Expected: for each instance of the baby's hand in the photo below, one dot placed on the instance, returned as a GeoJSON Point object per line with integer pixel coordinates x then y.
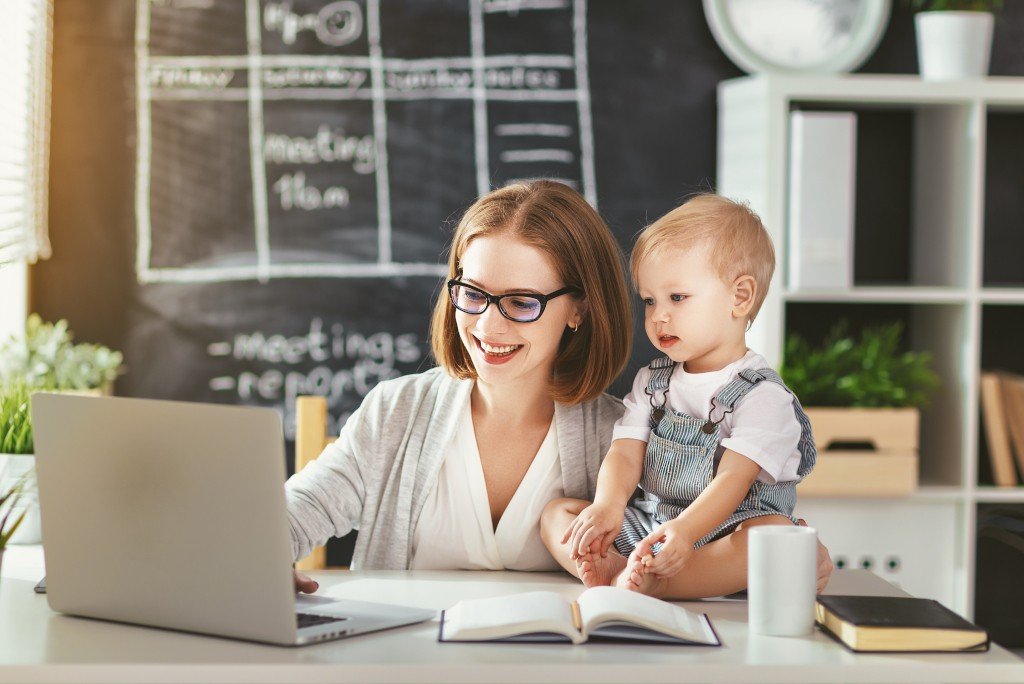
{"type": "Point", "coordinates": [676, 549]}
{"type": "Point", "coordinates": [599, 522]}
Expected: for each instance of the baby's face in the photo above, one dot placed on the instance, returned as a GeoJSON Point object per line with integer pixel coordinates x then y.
{"type": "Point", "coordinates": [688, 310]}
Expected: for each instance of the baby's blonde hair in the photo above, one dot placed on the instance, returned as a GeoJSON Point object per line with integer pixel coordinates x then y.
{"type": "Point", "coordinates": [737, 242]}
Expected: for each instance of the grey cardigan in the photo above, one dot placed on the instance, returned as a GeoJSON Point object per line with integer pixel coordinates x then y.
{"type": "Point", "coordinates": [377, 475]}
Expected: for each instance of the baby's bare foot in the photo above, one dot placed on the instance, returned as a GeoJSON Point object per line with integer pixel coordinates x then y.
{"type": "Point", "coordinates": [632, 575]}
{"type": "Point", "coordinates": [596, 571]}
{"type": "Point", "coordinates": [636, 577]}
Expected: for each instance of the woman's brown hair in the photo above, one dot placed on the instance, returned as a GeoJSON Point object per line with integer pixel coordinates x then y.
{"type": "Point", "coordinates": [555, 219]}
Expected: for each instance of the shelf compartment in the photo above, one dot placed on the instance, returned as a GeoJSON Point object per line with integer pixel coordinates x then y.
{"type": "Point", "coordinates": [1003, 244]}
{"type": "Point", "coordinates": [885, 536]}
{"type": "Point", "coordinates": [1002, 330]}
{"type": "Point", "coordinates": [913, 217]}
{"type": "Point", "coordinates": [936, 328]}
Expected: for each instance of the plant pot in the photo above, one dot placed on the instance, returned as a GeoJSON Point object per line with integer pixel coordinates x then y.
{"type": "Point", "coordinates": [953, 45]}
{"type": "Point", "coordinates": [12, 468]}
{"type": "Point", "coordinates": [863, 452]}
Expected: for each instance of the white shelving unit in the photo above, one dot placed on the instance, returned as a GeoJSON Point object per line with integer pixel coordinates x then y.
{"type": "Point", "coordinates": [929, 536]}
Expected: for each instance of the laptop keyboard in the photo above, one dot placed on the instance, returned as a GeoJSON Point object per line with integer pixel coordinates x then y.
{"type": "Point", "coordinates": [310, 620]}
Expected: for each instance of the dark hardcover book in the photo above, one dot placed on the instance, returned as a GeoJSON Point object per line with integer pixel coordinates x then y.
{"type": "Point", "coordinates": [896, 623]}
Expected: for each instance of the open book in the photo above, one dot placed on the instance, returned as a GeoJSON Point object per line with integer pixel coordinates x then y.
{"type": "Point", "coordinates": [600, 613]}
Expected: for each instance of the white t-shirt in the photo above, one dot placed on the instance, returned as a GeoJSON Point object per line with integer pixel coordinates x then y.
{"type": "Point", "coordinates": [454, 530]}
{"type": "Point", "coordinates": [763, 428]}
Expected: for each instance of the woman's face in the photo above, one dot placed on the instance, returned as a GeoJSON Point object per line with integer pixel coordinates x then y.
{"type": "Point", "coordinates": [505, 352]}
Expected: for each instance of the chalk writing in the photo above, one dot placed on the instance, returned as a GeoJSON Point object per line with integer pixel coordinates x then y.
{"type": "Point", "coordinates": [325, 146]}
{"type": "Point", "coordinates": [295, 194]}
{"type": "Point", "coordinates": [338, 23]}
{"type": "Point", "coordinates": [374, 112]}
{"type": "Point", "coordinates": [331, 361]}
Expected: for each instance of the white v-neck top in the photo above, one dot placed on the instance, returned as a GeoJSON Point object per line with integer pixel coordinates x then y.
{"type": "Point", "coordinates": [454, 530]}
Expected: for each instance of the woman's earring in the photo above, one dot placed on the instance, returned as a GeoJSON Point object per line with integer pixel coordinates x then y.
{"type": "Point", "coordinates": [574, 328]}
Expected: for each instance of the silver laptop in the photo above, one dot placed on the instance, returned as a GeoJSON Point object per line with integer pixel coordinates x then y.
{"type": "Point", "coordinates": [172, 514]}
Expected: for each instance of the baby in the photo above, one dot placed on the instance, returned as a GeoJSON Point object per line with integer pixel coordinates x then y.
{"type": "Point", "coordinates": [711, 435]}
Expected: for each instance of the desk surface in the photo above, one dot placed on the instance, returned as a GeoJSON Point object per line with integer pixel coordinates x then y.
{"type": "Point", "coordinates": [39, 645]}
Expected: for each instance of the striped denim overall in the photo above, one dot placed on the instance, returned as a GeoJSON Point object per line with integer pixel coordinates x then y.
{"type": "Point", "coordinates": [680, 460]}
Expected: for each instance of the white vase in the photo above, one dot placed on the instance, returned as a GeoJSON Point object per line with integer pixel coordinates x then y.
{"type": "Point", "coordinates": [952, 46]}
{"type": "Point", "coordinates": [12, 468]}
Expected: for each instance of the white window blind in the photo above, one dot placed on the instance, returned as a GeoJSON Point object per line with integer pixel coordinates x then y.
{"type": "Point", "coordinates": [26, 28]}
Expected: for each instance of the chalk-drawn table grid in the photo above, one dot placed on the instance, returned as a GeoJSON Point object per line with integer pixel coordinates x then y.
{"type": "Point", "coordinates": [257, 78]}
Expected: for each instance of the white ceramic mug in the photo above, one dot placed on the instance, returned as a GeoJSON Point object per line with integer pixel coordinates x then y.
{"type": "Point", "coordinates": [782, 572]}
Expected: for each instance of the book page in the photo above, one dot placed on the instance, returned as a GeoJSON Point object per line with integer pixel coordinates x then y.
{"type": "Point", "coordinates": [604, 605]}
{"type": "Point", "coordinates": [504, 616]}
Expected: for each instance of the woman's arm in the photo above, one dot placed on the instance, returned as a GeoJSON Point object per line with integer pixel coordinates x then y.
{"type": "Point", "coordinates": [325, 499]}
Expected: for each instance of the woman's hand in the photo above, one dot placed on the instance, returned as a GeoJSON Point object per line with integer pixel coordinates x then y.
{"type": "Point", "coordinates": [825, 565]}
{"type": "Point", "coordinates": [304, 583]}
{"type": "Point", "coordinates": [599, 522]}
{"type": "Point", "coordinates": [676, 549]}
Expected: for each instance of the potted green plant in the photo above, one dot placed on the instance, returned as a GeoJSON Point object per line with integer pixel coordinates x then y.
{"type": "Point", "coordinates": [863, 397]}
{"type": "Point", "coordinates": [17, 465]}
{"type": "Point", "coordinates": [46, 359]}
{"type": "Point", "coordinates": [954, 37]}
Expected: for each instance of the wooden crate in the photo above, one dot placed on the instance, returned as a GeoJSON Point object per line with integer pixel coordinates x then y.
{"type": "Point", "coordinates": [888, 468]}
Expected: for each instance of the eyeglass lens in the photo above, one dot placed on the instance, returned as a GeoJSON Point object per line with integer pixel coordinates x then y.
{"type": "Point", "coordinates": [522, 308]}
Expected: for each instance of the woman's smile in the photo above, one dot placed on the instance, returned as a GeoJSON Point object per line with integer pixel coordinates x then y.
{"type": "Point", "coordinates": [496, 354]}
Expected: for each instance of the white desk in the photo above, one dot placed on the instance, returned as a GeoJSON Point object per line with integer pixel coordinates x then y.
{"type": "Point", "coordinates": [41, 646]}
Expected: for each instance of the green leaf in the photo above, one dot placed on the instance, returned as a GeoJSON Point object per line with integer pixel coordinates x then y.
{"type": "Point", "coordinates": [870, 371]}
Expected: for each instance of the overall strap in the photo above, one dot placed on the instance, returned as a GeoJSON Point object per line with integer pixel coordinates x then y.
{"type": "Point", "coordinates": [746, 380]}
{"type": "Point", "coordinates": [657, 386]}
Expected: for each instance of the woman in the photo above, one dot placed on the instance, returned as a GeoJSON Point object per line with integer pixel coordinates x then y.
{"type": "Point", "coordinates": [451, 468]}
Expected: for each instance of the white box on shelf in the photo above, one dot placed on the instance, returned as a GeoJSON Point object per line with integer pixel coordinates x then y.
{"type": "Point", "coordinates": [823, 163]}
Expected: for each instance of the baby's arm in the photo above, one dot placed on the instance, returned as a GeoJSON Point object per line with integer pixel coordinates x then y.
{"type": "Point", "coordinates": [617, 480]}
{"type": "Point", "coordinates": [736, 474]}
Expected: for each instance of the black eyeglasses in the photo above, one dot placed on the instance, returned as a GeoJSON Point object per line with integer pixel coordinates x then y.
{"type": "Point", "coordinates": [520, 307]}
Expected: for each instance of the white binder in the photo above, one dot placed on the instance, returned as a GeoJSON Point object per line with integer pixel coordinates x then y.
{"type": "Point", "coordinates": [823, 164]}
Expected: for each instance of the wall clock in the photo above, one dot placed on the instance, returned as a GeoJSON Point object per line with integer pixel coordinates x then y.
{"type": "Point", "coordinates": [798, 36]}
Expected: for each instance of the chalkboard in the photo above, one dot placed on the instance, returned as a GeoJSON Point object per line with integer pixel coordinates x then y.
{"type": "Point", "coordinates": [296, 162]}
{"type": "Point", "coordinates": [252, 198]}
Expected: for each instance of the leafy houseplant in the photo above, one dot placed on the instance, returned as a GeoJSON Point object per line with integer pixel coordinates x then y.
{"type": "Point", "coordinates": [15, 439]}
{"type": "Point", "coordinates": [45, 359]}
{"type": "Point", "coordinates": [954, 37]}
{"type": "Point", "coordinates": [869, 372]}
{"type": "Point", "coordinates": [863, 398]}
{"type": "Point", "coordinates": [15, 423]}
